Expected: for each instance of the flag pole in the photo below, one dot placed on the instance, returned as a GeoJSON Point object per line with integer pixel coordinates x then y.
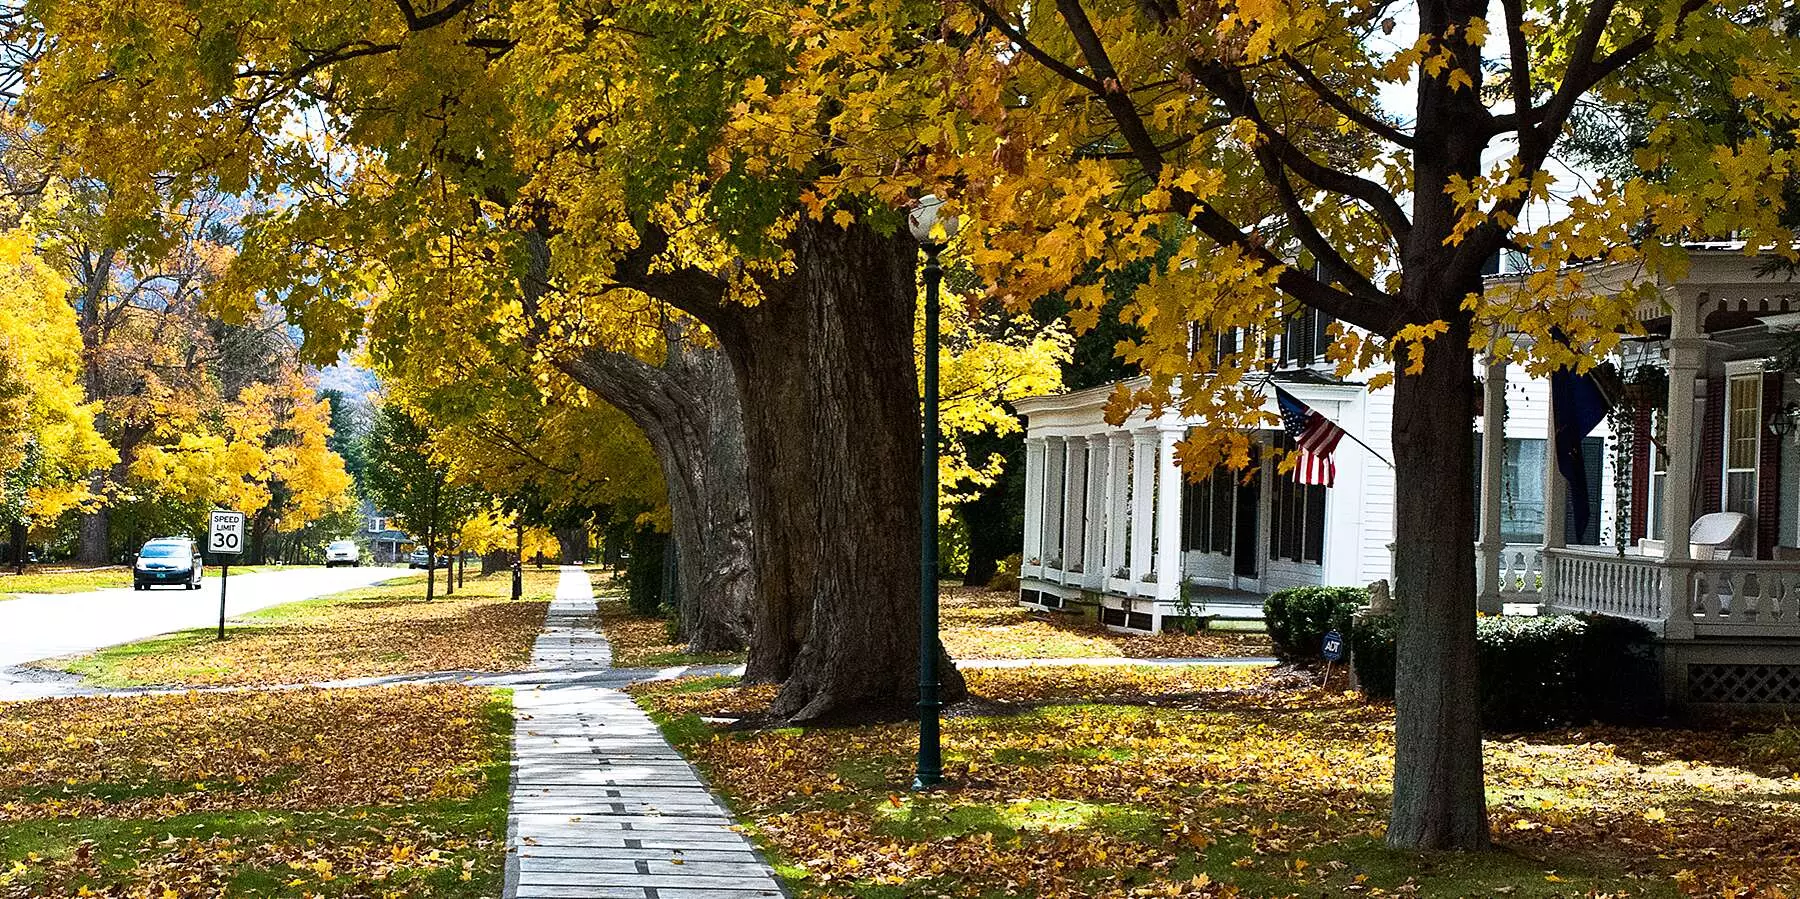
{"type": "Point", "coordinates": [1371, 450]}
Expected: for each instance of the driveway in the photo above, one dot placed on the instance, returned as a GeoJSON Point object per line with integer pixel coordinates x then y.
{"type": "Point", "coordinates": [42, 626]}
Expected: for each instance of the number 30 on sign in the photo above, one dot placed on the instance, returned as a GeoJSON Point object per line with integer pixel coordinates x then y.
{"type": "Point", "coordinates": [226, 536]}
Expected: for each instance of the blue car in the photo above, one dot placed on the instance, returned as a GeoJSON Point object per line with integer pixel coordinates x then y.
{"type": "Point", "coordinates": [167, 560]}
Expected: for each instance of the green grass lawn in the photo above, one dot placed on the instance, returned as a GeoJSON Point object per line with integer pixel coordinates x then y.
{"type": "Point", "coordinates": [386, 629]}
{"type": "Point", "coordinates": [1155, 782]}
{"type": "Point", "coordinates": [390, 793]}
{"type": "Point", "coordinates": [46, 579]}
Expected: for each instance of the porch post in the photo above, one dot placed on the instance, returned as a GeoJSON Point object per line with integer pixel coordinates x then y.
{"type": "Point", "coordinates": [1168, 515]}
{"type": "Point", "coordinates": [1093, 556]}
{"type": "Point", "coordinates": [1075, 505]}
{"type": "Point", "coordinates": [1118, 504]}
{"type": "Point", "coordinates": [1493, 462]}
{"type": "Point", "coordinates": [1143, 504]}
{"type": "Point", "coordinates": [1687, 358]}
{"type": "Point", "coordinates": [1556, 503]}
{"type": "Point", "coordinates": [1034, 502]}
{"type": "Point", "coordinates": [1056, 456]}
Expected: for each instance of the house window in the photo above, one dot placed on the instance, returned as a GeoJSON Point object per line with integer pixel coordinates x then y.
{"type": "Point", "coordinates": [1206, 512]}
{"type": "Point", "coordinates": [377, 524]}
{"type": "Point", "coordinates": [1743, 441]}
{"type": "Point", "coordinates": [1522, 492]}
{"type": "Point", "coordinates": [1304, 338]}
{"type": "Point", "coordinates": [1297, 518]}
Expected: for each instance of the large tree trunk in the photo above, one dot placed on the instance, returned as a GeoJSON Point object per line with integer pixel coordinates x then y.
{"type": "Point", "coordinates": [831, 413]}
{"type": "Point", "coordinates": [688, 410]}
{"type": "Point", "coordinates": [1439, 801]}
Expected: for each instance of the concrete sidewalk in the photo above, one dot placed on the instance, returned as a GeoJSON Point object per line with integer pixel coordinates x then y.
{"type": "Point", "coordinates": [602, 806]}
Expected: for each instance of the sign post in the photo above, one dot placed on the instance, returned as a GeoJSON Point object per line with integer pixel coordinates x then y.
{"type": "Point", "coordinates": [225, 538]}
{"type": "Point", "coordinates": [1333, 651]}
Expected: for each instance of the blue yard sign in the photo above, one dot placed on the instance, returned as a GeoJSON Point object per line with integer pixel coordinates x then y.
{"type": "Point", "coordinates": [1333, 650]}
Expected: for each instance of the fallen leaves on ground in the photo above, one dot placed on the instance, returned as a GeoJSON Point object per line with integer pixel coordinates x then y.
{"type": "Point", "coordinates": [374, 631]}
{"type": "Point", "coordinates": [1231, 782]}
{"type": "Point", "coordinates": [366, 792]}
{"type": "Point", "coordinates": [640, 641]}
{"type": "Point", "coordinates": [984, 624]}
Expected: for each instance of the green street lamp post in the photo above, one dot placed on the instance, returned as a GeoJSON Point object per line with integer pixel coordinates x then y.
{"type": "Point", "coordinates": [931, 232]}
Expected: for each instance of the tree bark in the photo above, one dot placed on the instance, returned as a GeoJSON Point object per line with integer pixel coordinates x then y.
{"type": "Point", "coordinates": [831, 420]}
{"type": "Point", "coordinates": [1439, 800]}
{"type": "Point", "coordinates": [688, 409]}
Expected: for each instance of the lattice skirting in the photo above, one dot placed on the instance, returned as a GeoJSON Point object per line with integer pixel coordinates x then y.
{"type": "Point", "coordinates": [1738, 684]}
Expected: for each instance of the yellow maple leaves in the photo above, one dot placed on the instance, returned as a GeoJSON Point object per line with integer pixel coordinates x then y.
{"type": "Point", "coordinates": [48, 440]}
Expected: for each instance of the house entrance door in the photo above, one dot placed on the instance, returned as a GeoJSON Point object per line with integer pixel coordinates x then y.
{"type": "Point", "coordinates": [1244, 553]}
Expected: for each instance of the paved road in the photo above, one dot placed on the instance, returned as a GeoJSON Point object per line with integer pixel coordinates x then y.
{"type": "Point", "coordinates": [44, 626]}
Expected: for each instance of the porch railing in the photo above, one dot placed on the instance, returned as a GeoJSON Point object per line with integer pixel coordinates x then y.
{"type": "Point", "coordinates": [1745, 598]}
{"type": "Point", "coordinates": [1522, 572]}
{"type": "Point", "coordinates": [1624, 587]}
{"type": "Point", "coordinates": [1714, 598]}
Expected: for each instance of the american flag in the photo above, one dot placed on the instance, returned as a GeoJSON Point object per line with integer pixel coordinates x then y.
{"type": "Point", "coordinates": [1315, 437]}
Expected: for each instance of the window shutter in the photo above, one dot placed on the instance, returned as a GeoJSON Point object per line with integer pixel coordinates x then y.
{"type": "Point", "coordinates": [1768, 471]}
{"type": "Point", "coordinates": [1640, 473]}
{"type": "Point", "coordinates": [1712, 451]}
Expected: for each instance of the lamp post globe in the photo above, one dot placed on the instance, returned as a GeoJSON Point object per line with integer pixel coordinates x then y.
{"type": "Point", "coordinates": [928, 226]}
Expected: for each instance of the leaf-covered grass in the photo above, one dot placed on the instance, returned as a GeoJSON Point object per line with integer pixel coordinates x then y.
{"type": "Point", "coordinates": [384, 630]}
{"type": "Point", "coordinates": [375, 792]}
{"type": "Point", "coordinates": [986, 624]}
{"type": "Point", "coordinates": [640, 641]}
{"type": "Point", "coordinates": [69, 579]}
{"type": "Point", "coordinates": [1228, 781]}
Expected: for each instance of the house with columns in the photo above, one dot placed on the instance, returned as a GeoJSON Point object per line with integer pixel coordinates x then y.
{"type": "Point", "coordinates": [1707, 423]}
{"type": "Point", "coordinates": [1112, 523]}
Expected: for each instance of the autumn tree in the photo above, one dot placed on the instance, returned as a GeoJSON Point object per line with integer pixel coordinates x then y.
{"type": "Point", "coordinates": [407, 477]}
{"type": "Point", "coordinates": [585, 148]}
{"type": "Point", "coordinates": [1359, 158]}
{"type": "Point", "coordinates": [48, 442]}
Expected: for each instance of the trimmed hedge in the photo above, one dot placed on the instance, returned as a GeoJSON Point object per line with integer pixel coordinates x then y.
{"type": "Point", "coordinates": [1298, 618]}
{"type": "Point", "coordinates": [1539, 672]}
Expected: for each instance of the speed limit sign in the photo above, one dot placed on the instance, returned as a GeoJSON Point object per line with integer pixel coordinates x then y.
{"type": "Point", "coordinates": [226, 536]}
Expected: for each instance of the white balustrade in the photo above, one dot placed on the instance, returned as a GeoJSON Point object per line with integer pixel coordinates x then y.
{"type": "Point", "coordinates": [1746, 598]}
{"type": "Point", "coordinates": [1521, 572]}
{"type": "Point", "coordinates": [1624, 587]}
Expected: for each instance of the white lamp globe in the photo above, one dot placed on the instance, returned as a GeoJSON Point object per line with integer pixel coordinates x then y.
{"type": "Point", "coordinates": [925, 223]}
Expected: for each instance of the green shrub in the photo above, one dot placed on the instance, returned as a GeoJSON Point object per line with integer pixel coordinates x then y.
{"type": "Point", "coordinates": [1372, 653]}
{"type": "Point", "coordinates": [1538, 672]}
{"type": "Point", "coordinates": [1299, 618]}
{"type": "Point", "coordinates": [1006, 575]}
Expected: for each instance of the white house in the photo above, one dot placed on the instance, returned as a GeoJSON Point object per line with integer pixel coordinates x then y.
{"type": "Point", "coordinates": [1238, 538]}
{"type": "Point", "coordinates": [1110, 521]}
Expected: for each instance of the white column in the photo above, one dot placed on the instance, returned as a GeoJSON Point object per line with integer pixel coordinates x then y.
{"type": "Point", "coordinates": [1556, 501]}
{"type": "Point", "coordinates": [1168, 516]}
{"type": "Point", "coordinates": [1074, 505]}
{"type": "Point", "coordinates": [1055, 462]}
{"type": "Point", "coordinates": [1687, 359]}
{"type": "Point", "coordinates": [1143, 504]}
{"type": "Point", "coordinates": [1493, 463]}
{"type": "Point", "coordinates": [1034, 501]}
{"type": "Point", "coordinates": [1118, 503]}
{"type": "Point", "coordinates": [1093, 554]}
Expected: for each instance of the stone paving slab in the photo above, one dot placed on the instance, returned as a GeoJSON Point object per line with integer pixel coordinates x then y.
{"type": "Point", "coordinates": [602, 806]}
